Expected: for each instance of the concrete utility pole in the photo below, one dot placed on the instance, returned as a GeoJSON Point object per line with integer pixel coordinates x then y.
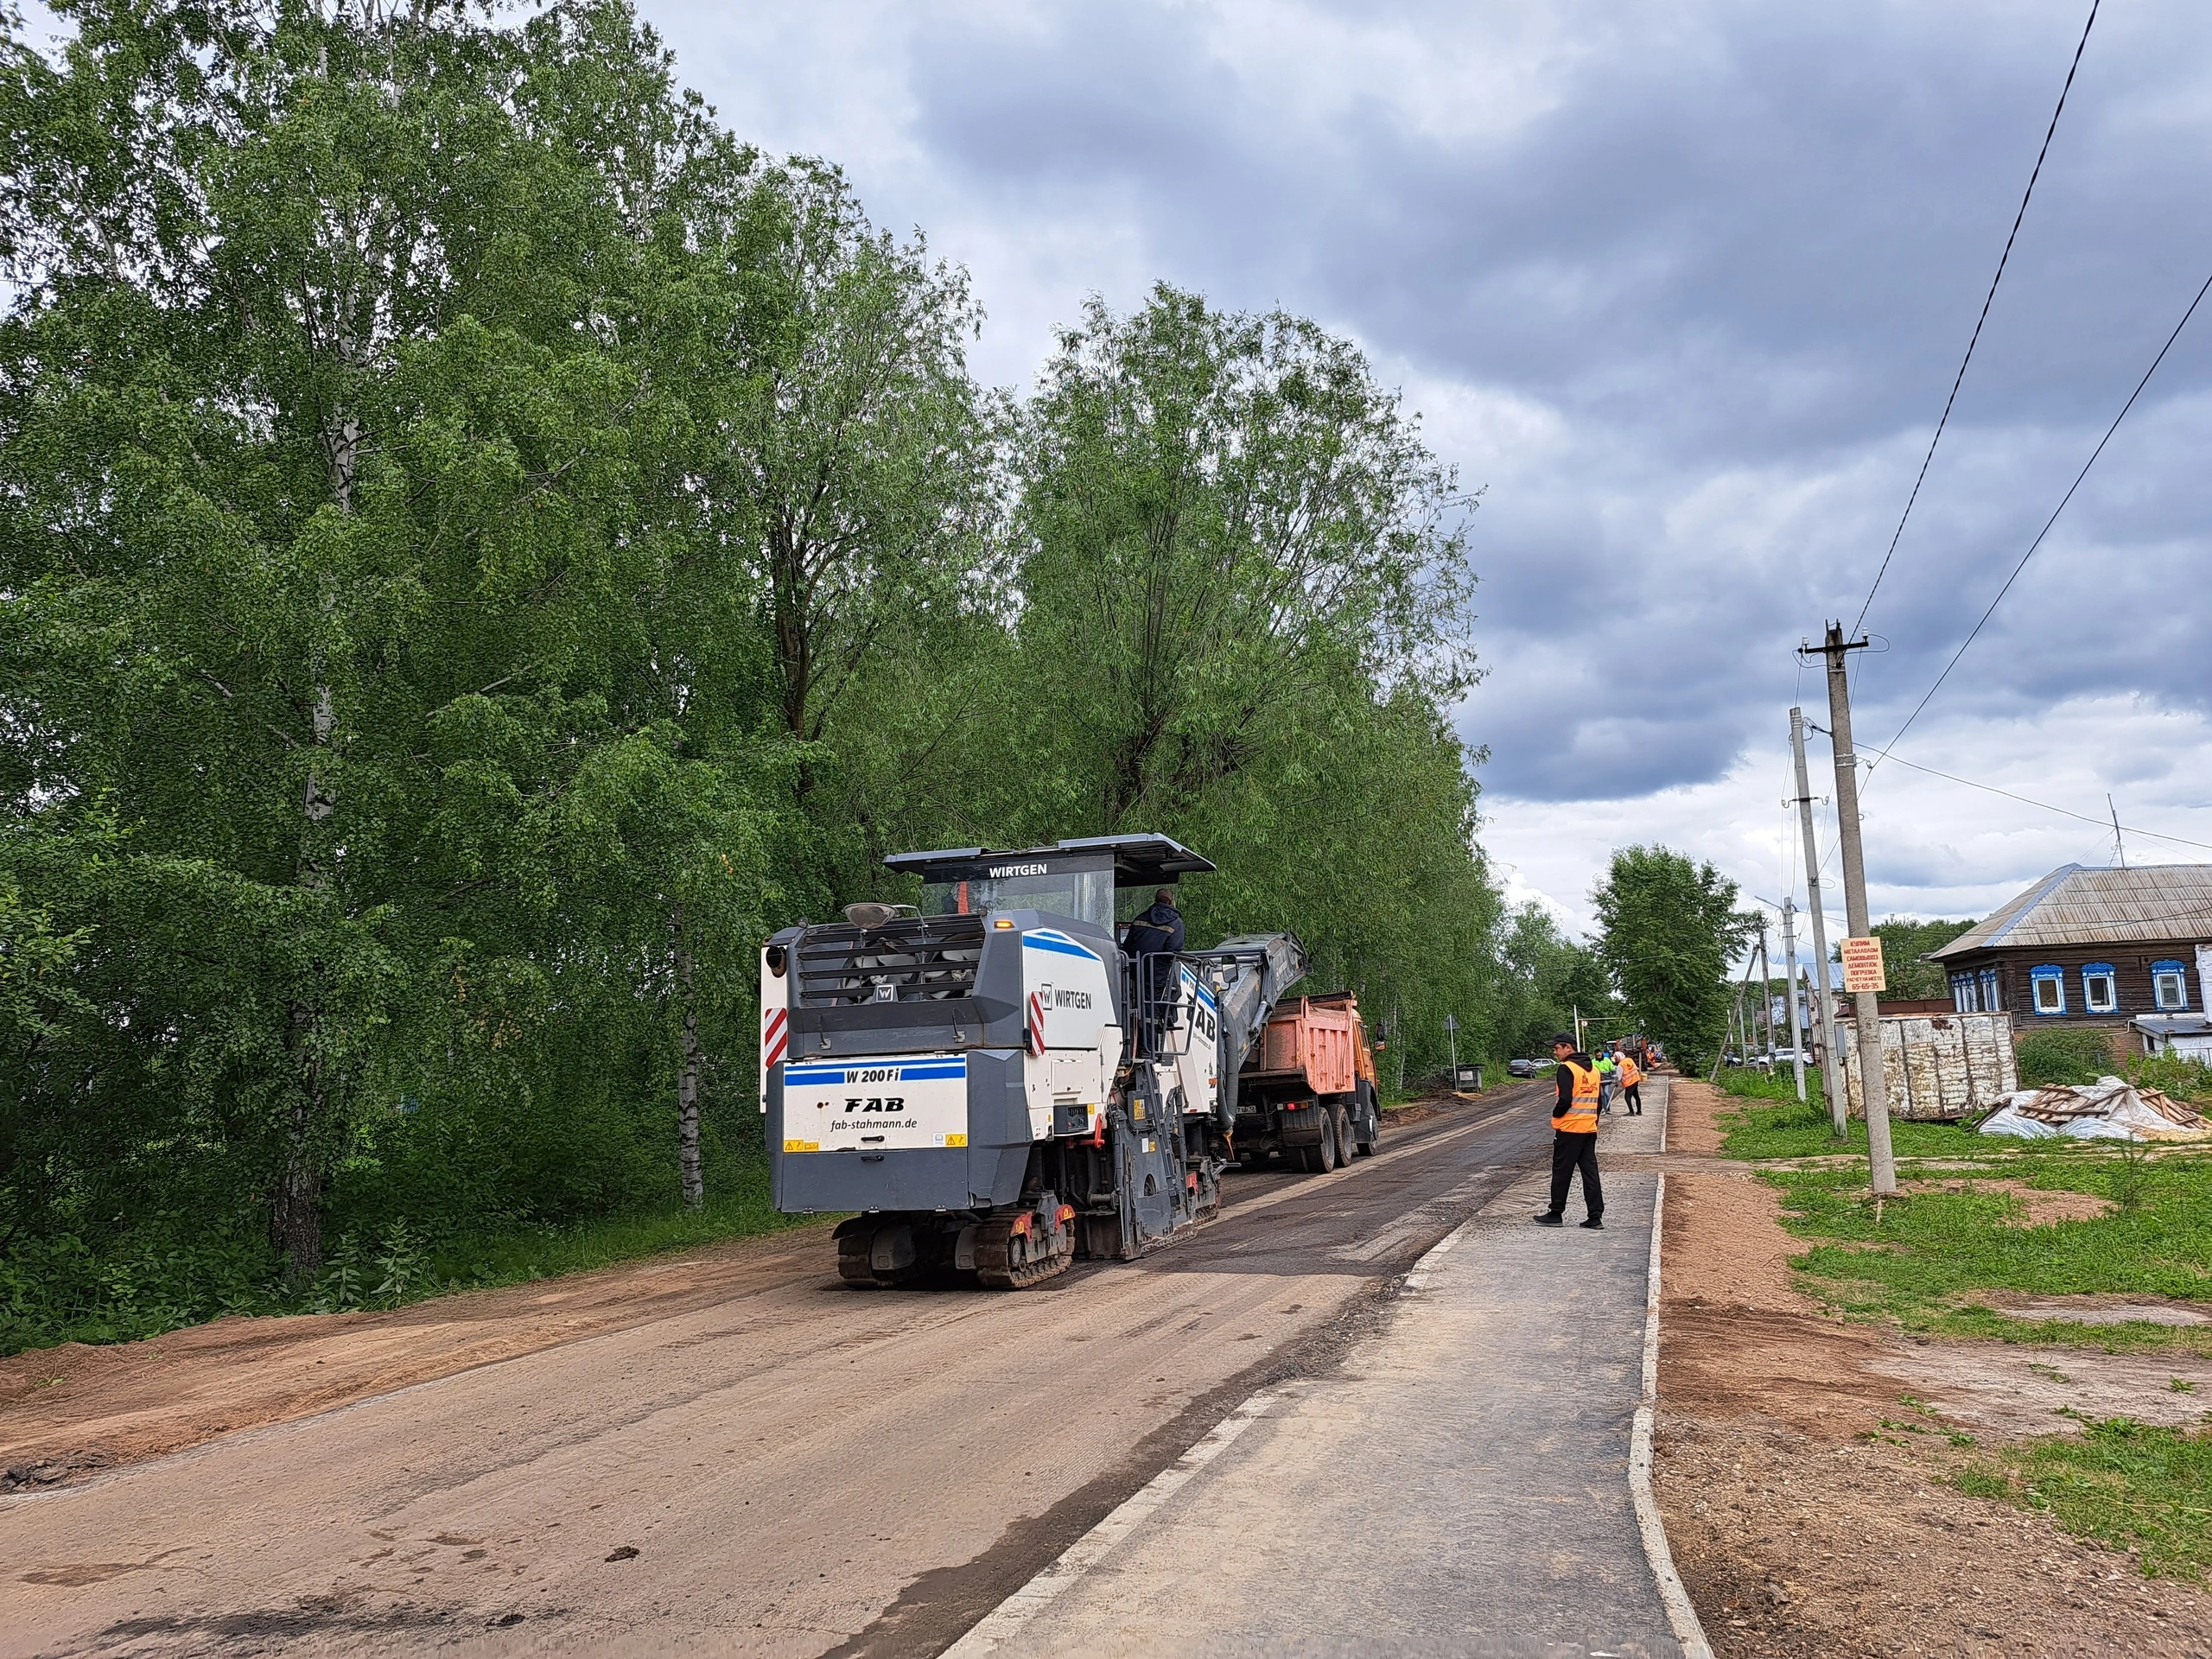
{"type": "Point", "coordinates": [1789, 990]}
{"type": "Point", "coordinates": [1824, 1010]}
{"type": "Point", "coordinates": [1874, 1085]}
{"type": "Point", "coordinates": [1452, 1036]}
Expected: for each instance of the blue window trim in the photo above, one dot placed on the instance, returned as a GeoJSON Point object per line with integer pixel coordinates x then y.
{"type": "Point", "coordinates": [2053, 972]}
{"type": "Point", "coordinates": [2180, 972]}
{"type": "Point", "coordinates": [2098, 970]}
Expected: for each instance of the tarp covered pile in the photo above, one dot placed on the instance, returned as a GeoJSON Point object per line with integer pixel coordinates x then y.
{"type": "Point", "coordinates": [2111, 1108]}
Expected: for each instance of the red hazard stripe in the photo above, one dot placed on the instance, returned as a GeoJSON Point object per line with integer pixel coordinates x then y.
{"type": "Point", "coordinates": [773, 1038]}
{"type": "Point", "coordinates": [1036, 1024]}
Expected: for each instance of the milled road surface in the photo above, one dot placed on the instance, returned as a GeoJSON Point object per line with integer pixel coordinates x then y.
{"type": "Point", "coordinates": [800, 1469]}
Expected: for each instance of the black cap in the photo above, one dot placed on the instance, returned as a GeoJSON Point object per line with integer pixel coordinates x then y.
{"type": "Point", "coordinates": [1565, 1039]}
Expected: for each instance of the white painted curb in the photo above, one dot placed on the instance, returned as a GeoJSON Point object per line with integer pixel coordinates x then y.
{"type": "Point", "coordinates": [1005, 1621]}
{"type": "Point", "coordinates": [1681, 1615]}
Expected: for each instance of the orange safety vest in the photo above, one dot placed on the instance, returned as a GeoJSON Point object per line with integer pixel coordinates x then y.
{"type": "Point", "coordinates": [1630, 1076]}
{"type": "Point", "coordinates": [1580, 1117]}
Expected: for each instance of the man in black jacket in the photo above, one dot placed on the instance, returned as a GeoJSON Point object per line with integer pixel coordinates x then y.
{"type": "Point", "coordinates": [1157, 930]}
{"type": "Point", "coordinates": [1575, 1138]}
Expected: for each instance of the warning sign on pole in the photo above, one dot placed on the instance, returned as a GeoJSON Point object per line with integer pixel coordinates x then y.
{"type": "Point", "coordinates": [1862, 965]}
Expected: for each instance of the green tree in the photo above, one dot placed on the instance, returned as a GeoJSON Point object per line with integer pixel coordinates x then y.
{"type": "Point", "coordinates": [1668, 929]}
{"type": "Point", "coordinates": [1242, 610]}
{"type": "Point", "coordinates": [1222, 516]}
{"type": "Point", "coordinates": [1905, 942]}
{"type": "Point", "coordinates": [339, 516]}
{"type": "Point", "coordinates": [1547, 979]}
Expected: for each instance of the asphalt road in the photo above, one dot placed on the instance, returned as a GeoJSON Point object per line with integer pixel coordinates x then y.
{"type": "Point", "coordinates": [802, 1469]}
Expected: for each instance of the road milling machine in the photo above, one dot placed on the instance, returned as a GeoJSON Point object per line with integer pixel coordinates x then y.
{"type": "Point", "coordinates": [990, 1081]}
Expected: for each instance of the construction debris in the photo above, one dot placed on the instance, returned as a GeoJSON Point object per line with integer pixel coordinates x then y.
{"type": "Point", "coordinates": [2111, 1108]}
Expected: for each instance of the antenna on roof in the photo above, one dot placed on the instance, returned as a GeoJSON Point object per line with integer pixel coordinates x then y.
{"type": "Point", "coordinates": [2119, 847]}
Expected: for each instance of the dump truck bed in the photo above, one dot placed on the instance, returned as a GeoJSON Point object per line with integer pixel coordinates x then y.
{"type": "Point", "coordinates": [1310, 1039]}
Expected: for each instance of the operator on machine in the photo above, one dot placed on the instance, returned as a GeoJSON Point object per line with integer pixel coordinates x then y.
{"type": "Point", "coordinates": [1157, 930]}
{"type": "Point", "coordinates": [1574, 1137]}
{"type": "Point", "coordinates": [1155, 937]}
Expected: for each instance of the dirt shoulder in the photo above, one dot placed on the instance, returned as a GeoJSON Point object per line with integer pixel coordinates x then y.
{"type": "Point", "coordinates": [1803, 1464]}
{"type": "Point", "coordinates": [78, 1408]}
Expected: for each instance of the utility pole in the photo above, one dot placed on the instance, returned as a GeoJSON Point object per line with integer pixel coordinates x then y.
{"type": "Point", "coordinates": [1452, 1036]}
{"type": "Point", "coordinates": [2119, 847]}
{"type": "Point", "coordinates": [1737, 1015]}
{"type": "Point", "coordinates": [1789, 990]}
{"type": "Point", "coordinates": [1767, 987]}
{"type": "Point", "coordinates": [1823, 1010]}
{"type": "Point", "coordinates": [1874, 1085]}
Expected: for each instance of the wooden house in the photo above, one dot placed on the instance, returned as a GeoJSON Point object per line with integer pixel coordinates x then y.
{"type": "Point", "coordinates": [2126, 952]}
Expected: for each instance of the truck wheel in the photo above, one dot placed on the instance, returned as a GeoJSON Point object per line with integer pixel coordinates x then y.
{"type": "Point", "coordinates": [1323, 1159]}
{"type": "Point", "coordinates": [1340, 1130]}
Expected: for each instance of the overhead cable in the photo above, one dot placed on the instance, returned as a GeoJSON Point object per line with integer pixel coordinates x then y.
{"type": "Point", "coordinates": [1975, 339]}
{"type": "Point", "coordinates": [2128, 828]}
{"type": "Point", "coordinates": [2054, 512]}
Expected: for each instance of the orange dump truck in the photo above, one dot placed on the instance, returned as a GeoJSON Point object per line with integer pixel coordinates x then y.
{"type": "Point", "coordinates": [1308, 1090]}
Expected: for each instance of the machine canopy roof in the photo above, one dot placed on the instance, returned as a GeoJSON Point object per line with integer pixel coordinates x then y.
{"type": "Point", "coordinates": [1137, 861]}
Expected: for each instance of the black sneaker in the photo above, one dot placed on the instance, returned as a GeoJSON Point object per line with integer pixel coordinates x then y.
{"type": "Point", "coordinates": [1594, 1225]}
{"type": "Point", "coordinates": [1550, 1218]}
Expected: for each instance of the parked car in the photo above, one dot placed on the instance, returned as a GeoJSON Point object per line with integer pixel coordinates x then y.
{"type": "Point", "coordinates": [1523, 1068]}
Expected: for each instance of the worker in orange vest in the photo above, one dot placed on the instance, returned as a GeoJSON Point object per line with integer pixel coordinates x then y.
{"type": "Point", "coordinates": [1574, 1135]}
{"type": "Point", "coordinates": [1631, 1075]}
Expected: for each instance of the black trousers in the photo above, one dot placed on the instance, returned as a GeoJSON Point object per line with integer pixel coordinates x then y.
{"type": "Point", "coordinates": [1631, 1099]}
{"type": "Point", "coordinates": [1569, 1154]}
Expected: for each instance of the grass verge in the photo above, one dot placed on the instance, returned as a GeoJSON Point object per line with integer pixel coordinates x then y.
{"type": "Point", "coordinates": [1918, 1263]}
{"type": "Point", "coordinates": [1772, 1123]}
{"type": "Point", "coordinates": [2131, 1486]}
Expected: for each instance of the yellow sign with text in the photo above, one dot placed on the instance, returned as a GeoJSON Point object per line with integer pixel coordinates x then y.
{"type": "Point", "coordinates": [1862, 965]}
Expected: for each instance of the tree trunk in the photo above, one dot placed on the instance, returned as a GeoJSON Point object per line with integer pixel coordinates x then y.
{"type": "Point", "coordinates": [295, 1227]}
{"type": "Point", "coordinates": [686, 1077]}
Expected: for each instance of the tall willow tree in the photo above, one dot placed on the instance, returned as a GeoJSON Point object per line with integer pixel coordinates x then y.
{"type": "Point", "coordinates": [1243, 610]}
{"type": "Point", "coordinates": [1223, 516]}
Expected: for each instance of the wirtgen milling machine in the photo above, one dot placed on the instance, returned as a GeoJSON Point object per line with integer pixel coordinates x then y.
{"type": "Point", "coordinates": [991, 1081]}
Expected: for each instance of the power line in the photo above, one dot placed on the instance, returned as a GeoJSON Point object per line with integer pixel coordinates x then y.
{"type": "Point", "coordinates": [2054, 512]}
{"type": "Point", "coordinates": [1959, 378]}
{"type": "Point", "coordinates": [2103, 824]}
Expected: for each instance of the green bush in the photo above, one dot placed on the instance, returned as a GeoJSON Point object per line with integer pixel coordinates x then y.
{"type": "Point", "coordinates": [2173, 1075]}
{"type": "Point", "coordinates": [2062, 1055]}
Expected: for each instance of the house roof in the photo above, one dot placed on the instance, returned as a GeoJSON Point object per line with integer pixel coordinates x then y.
{"type": "Point", "coordinates": [2073, 905]}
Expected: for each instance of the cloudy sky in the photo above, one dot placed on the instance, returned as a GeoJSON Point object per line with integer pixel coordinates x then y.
{"type": "Point", "coordinates": [1682, 287]}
